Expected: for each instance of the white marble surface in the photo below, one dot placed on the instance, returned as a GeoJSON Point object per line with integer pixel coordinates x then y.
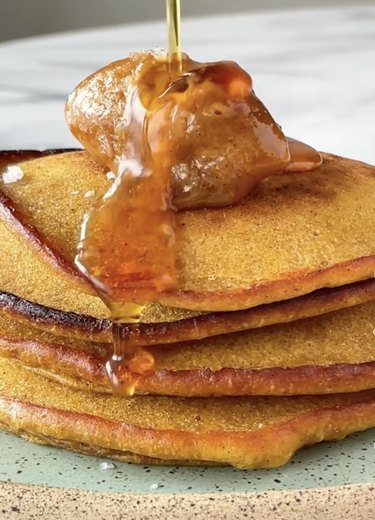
{"type": "Point", "coordinates": [314, 69]}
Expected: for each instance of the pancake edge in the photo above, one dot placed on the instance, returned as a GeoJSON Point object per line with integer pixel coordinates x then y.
{"type": "Point", "coordinates": [86, 371]}
{"type": "Point", "coordinates": [196, 328]}
{"type": "Point", "coordinates": [264, 292]}
{"type": "Point", "coordinates": [244, 450]}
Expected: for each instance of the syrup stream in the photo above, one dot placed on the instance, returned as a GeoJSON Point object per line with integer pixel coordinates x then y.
{"type": "Point", "coordinates": [174, 36]}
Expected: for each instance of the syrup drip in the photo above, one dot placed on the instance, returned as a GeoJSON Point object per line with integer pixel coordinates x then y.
{"type": "Point", "coordinates": [221, 138]}
{"type": "Point", "coordinates": [127, 248]}
{"type": "Point", "coordinates": [142, 249]}
{"type": "Point", "coordinates": [128, 360]}
{"type": "Point", "coordinates": [174, 39]}
{"type": "Point", "coordinates": [128, 243]}
{"type": "Point", "coordinates": [303, 158]}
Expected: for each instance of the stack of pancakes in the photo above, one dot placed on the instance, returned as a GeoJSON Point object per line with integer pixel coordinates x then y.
{"type": "Point", "coordinates": [267, 345]}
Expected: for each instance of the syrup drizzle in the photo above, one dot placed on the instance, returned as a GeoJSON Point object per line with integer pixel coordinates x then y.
{"type": "Point", "coordinates": [129, 242]}
{"type": "Point", "coordinates": [127, 247]}
{"type": "Point", "coordinates": [135, 263]}
{"type": "Point", "coordinates": [174, 36]}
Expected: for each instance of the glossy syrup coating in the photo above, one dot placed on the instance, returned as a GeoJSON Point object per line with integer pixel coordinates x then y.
{"type": "Point", "coordinates": [127, 247]}
{"type": "Point", "coordinates": [198, 138]}
{"type": "Point", "coordinates": [220, 138]}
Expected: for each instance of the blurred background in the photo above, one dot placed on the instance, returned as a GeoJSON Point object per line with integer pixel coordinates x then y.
{"type": "Point", "coordinates": [23, 18]}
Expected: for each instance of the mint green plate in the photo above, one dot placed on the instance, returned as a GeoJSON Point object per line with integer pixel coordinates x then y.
{"type": "Point", "coordinates": [351, 461]}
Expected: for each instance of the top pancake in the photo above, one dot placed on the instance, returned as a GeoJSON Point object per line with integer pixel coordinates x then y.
{"type": "Point", "coordinates": [294, 234]}
{"type": "Point", "coordinates": [74, 314]}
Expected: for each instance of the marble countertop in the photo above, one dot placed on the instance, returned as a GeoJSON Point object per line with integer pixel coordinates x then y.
{"type": "Point", "coordinates": [314, 69]}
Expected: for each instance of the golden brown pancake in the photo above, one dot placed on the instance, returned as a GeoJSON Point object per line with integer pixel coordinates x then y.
{"type": "Point", "coordinates": [294, 234]}
{"type": "Point", "coordinates": [23, 273]}
{"type": "Point", "coordinates": [46, 300]}
{"type": "Point", "coordinates": [248, 432]}
{"type": "Point", "coordinates": [170, 325]}
{"type": "Point", "coordinates": [326, 354]}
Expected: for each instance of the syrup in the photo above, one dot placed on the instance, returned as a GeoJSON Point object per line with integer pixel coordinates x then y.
{"type": "Point", "coordinates": [303, 157]}
{"type": "Point", "coordinates": [177, 134]}
{"type": "Point", "coordinates": [128, 243]}
{"type": "Point", "coordinates": [174, 38]}
{"type": "Point", "coordinates": [127, 248]}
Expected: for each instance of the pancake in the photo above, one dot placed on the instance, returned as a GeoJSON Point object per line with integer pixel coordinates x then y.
{"type": "Point", "coordinates": [327, 354]}
{"type": "Point", "coordinates": [168, 325]}
{"type": "Point", "coordinates": [317, 222]}
{"type": "Point", "coordinates": [46, 300]}
{"type": "Point", "coordinates": [244, 432]}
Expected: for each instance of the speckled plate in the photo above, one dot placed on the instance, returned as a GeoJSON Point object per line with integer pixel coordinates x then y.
{"type": "Point", "coordinates": [337, 466]}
